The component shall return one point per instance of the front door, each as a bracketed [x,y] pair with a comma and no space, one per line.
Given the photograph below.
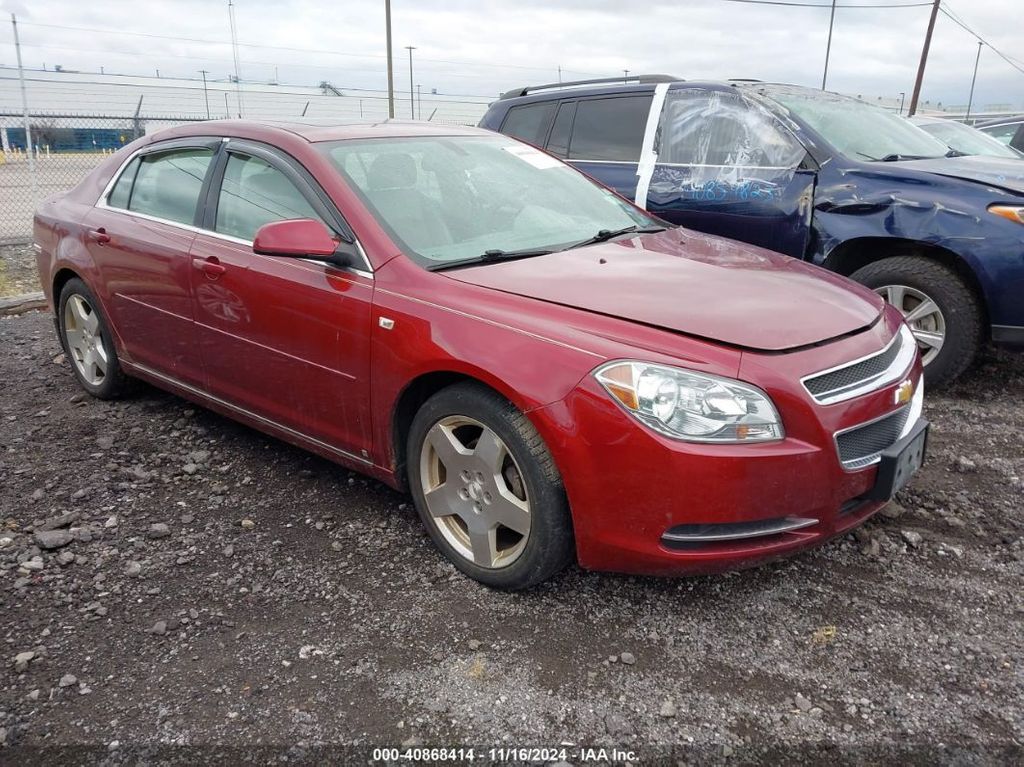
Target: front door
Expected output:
[284,338]
[725,165]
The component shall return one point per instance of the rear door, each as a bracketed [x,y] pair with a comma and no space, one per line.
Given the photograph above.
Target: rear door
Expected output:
[602,136]
[284,338]
[139,236]
[726,165]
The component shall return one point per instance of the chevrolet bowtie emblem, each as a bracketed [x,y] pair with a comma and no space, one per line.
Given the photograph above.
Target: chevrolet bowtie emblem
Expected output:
[904,392]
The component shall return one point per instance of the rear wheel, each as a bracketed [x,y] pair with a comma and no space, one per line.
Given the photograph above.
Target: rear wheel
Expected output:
[941,311]
[487,488]
[87,341]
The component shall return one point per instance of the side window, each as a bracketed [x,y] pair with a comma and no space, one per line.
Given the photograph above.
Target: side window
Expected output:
[558,143]
[723,130]
[255,193]
[167,184]
[1003,133]
[121,193]
[609,129]
[529,122]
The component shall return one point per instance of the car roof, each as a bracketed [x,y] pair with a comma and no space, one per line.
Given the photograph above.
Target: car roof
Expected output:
[1000,121]
[647,84]
[316,130]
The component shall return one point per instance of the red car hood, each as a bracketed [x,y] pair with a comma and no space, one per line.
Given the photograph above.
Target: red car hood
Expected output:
[694,284]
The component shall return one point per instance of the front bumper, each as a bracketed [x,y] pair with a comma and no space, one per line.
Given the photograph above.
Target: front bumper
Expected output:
[646,504]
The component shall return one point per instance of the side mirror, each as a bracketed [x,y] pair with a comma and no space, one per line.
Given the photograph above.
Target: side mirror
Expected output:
[298,238]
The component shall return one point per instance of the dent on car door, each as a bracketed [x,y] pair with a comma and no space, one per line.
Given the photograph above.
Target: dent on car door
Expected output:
[603,137]
[139,235]
[283,338]
[726,166]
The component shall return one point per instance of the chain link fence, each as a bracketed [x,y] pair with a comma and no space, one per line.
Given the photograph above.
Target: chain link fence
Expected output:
[65,147]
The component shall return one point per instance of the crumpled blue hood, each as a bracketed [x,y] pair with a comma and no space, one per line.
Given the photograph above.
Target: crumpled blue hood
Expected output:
[1003,173]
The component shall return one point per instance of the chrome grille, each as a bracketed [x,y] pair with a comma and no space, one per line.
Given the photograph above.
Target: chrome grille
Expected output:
[862,445]
[863,375]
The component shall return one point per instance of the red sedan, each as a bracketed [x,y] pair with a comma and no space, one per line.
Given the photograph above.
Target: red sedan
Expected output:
[550,371]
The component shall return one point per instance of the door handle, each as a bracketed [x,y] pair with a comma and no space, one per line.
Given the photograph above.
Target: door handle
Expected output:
[211,266]
[99,236]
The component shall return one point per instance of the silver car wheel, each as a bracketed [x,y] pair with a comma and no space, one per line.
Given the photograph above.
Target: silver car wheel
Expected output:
[84,339]
[922,314]
[474,491]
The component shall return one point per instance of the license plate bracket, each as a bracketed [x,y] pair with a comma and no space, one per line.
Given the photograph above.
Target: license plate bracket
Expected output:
[899,462]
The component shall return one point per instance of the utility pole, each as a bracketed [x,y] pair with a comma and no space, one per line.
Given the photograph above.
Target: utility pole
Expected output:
[391,75]
[206,95]
[419,102]
[828,45]
[903,97]
[234,49]
[625,75]
[559,73]
[412,94]
[24,112]
[924,60]
[970,99]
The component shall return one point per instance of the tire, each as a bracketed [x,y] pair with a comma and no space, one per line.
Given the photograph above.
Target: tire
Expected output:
[503,467]
[92,353]
[958,310]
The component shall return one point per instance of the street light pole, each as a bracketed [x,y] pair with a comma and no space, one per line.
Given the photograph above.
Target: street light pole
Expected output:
[903,97]
[828,45]
[924,60]
[970,99]
[419,102]
[391,73]
[412,92]
[206,95]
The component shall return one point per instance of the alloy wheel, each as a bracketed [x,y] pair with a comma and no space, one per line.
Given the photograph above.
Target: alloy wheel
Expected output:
[85,342]
[474,491]
[922,314]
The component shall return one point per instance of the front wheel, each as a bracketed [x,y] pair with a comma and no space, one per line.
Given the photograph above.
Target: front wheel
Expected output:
[941,311]
[487,488]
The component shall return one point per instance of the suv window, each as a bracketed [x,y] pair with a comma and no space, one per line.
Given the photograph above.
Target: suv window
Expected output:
[558,143]
[723,130]
[529,122]
[167,184]
[610,128]
[1003,133]
[255,193]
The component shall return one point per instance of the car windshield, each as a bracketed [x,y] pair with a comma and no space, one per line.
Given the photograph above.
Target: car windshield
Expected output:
[451,198]
[968,140]
[858,130]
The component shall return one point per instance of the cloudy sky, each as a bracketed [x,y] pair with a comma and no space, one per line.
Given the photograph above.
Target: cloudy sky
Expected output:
[482,47]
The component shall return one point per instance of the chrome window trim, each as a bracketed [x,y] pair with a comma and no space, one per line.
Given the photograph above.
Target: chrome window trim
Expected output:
[916,406]
[248,413]
[101,203]
[897,369]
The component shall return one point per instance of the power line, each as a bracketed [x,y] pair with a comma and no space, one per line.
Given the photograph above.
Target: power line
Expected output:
[956,20]
[826,5]
[293,50]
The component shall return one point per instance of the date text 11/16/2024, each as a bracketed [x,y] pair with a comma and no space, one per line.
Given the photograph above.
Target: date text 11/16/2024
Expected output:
[503,754]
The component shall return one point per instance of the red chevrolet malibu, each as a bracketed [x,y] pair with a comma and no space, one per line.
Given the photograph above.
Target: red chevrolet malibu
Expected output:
[551,372]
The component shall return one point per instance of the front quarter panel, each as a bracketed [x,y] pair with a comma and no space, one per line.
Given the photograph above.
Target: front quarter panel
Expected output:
[915,207]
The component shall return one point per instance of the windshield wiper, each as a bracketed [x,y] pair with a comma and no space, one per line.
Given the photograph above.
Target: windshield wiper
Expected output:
[604,235]
[488,256]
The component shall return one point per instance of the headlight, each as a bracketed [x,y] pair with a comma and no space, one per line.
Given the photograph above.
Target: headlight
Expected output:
[695,407]
[1014,213]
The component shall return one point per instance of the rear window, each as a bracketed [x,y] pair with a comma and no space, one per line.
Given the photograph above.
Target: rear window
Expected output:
[609,129]
[530,122]
[167,185]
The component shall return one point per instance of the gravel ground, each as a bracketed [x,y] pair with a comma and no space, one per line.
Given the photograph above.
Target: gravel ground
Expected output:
[174,581]
[18,272]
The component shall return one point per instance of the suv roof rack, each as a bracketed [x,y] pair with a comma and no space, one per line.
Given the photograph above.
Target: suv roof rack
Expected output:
[640,79]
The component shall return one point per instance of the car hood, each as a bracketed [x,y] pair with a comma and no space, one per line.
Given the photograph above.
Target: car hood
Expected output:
[1004,173]
[691,283]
